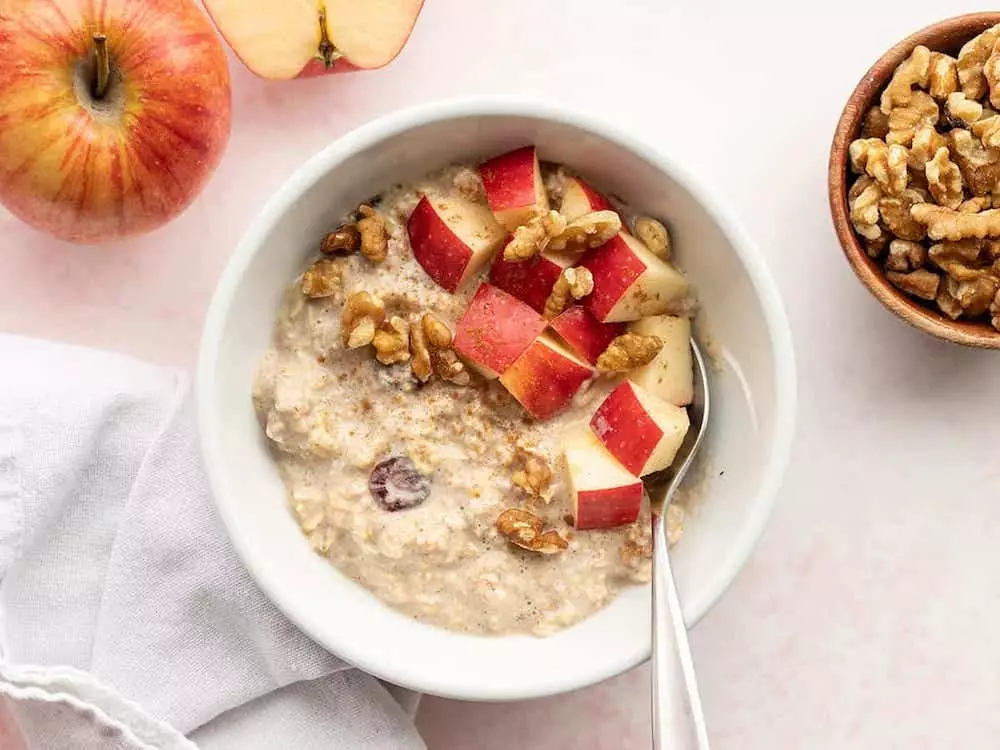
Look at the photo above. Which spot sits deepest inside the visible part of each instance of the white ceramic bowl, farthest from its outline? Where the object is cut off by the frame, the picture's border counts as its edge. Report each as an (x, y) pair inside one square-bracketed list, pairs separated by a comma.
[(753, 399)]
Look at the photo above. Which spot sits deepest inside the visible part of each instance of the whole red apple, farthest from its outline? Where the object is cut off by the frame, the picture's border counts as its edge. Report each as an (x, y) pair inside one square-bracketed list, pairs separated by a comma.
[(113, 114)]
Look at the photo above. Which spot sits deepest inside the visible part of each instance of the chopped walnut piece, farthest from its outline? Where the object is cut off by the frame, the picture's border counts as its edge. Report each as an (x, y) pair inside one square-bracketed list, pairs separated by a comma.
[(895, 213), (922, 111), (905, 256), (322, 279), (947, 224), (947, 303), (944, 179), (448, 367), (420, 360), (374, 234), (960, 111), (875, 124), (942, 75), (344, 239), (588, 231), (392, 341), (975, 295), (437, 333), (362, 313), (886, 164), (921, 283), (913, 71), (531, 238), (654, 236), (975, 205), (864, 211), (991, 72), (926, 142), (971, 59), (950, 256), (534, 475), (628, 351), (980, 166), (573, 283), (524, 530), (876, 248), (988, 131)]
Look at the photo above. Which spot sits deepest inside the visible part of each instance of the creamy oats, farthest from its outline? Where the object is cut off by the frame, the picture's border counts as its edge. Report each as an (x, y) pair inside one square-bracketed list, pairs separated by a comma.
[(333, 413)]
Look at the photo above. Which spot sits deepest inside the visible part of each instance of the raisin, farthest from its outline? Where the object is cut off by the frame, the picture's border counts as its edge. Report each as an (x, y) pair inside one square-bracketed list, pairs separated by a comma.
[(395, 484)]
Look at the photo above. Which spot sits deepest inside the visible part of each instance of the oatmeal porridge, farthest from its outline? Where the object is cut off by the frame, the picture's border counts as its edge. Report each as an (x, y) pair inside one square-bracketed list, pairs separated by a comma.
[(465, 386)]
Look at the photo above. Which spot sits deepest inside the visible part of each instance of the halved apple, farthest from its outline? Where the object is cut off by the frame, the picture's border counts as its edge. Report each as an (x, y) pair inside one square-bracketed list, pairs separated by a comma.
[(530, 280), (579, 198), (584, 334), (640, 430), (670, 376), (495, 330), (283, 39), (545, 377), (603, 492), (514, 188), (630, 282), (452, 238)]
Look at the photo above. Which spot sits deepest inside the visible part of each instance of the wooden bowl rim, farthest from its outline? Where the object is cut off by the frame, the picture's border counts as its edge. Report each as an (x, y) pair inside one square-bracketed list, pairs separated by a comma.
[(941, 35)]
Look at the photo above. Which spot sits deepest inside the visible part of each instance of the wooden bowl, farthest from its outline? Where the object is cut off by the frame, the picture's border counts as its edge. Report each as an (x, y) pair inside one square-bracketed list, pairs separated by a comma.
[(945, 36)]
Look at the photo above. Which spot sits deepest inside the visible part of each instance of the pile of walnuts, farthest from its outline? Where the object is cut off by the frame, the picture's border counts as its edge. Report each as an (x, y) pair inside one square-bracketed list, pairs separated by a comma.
[(926, 201)]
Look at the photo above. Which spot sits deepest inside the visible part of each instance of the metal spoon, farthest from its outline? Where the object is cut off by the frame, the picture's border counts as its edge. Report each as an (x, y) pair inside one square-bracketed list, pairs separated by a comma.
[(678, 722)]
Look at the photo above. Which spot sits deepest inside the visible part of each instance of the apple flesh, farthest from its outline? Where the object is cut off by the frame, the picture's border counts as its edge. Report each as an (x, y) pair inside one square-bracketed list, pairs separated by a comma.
[(640, 430), (579, 198), (630, 282), (604, 494), (584, 334), (531, 280), (113, 115), (283, 39), (452, 238), (514, 188), (670, 376), (495, 330), (545, 377)]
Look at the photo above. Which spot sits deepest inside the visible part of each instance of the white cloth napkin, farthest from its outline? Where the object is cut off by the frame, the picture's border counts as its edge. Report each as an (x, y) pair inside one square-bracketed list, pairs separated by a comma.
[(126, 619)]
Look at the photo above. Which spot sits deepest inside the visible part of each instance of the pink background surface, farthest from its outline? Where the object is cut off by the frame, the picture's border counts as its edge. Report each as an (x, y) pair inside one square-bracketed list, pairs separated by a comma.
[(867, 618)]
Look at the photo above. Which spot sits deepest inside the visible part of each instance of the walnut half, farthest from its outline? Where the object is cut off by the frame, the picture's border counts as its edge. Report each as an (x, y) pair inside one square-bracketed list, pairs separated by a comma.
[(525, 530), (362, 314), (628, 351)]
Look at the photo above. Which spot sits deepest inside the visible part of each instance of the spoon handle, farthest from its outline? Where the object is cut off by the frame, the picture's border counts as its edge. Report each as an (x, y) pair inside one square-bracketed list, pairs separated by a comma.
[(678, 721)]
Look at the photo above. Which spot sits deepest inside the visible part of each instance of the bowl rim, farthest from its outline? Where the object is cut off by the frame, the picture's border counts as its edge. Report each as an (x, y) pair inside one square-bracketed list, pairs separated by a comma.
[(980, 335), (391, 125)]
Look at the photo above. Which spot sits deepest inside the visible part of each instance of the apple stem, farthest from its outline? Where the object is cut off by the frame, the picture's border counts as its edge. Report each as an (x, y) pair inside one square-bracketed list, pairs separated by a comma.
[(103, 65), (327, 51)]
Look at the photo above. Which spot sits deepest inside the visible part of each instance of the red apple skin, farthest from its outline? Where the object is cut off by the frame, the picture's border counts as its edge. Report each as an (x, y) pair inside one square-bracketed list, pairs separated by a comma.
[(627, 431), (91, 179), (435, 247), (495, 330), (531, 281), (604, 509), (585, 335), (513, 186), (614, 268), (544, 381)]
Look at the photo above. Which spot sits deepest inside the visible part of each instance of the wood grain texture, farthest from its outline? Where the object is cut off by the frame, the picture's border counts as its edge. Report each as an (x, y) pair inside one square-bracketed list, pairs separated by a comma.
[(945, 36)]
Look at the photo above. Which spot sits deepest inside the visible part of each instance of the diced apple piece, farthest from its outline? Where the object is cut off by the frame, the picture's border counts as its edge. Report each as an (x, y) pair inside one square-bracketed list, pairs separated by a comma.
[(530, 280), (584, 334), (640, 430), (671, 375), (604, 493), (452, 238), (579, 198), (282, 39), (514, 188), (630, 282), (495, 330), (545, 378)]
